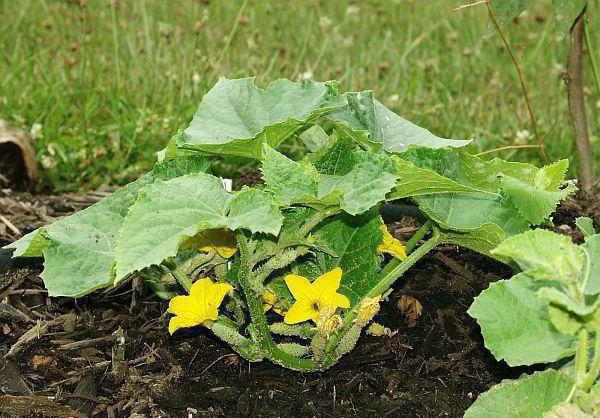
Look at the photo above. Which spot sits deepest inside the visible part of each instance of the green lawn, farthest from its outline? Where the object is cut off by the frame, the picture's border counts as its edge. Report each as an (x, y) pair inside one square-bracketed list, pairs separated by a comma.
[(111, 81)]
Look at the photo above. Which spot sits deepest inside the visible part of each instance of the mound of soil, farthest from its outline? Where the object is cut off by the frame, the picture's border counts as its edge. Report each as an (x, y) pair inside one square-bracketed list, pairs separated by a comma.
[(109, 353)]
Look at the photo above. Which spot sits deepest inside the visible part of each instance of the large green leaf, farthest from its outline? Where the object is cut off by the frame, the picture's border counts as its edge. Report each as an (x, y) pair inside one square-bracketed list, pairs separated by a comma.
[(546, 255), (236, 118), (370, 122), (463, 193), (592, 249), (528, 397), (515, 325), (354, 241), (80, 252), (482, 239), (166, 213)]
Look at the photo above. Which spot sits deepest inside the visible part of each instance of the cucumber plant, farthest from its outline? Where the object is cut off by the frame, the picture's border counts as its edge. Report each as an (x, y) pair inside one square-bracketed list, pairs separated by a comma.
[(547, 313), (294, 269)]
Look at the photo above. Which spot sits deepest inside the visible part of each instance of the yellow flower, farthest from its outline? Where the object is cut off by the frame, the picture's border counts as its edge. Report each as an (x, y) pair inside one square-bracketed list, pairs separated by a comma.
[(200, 306), (368, 310), (269, 298), (315, 299), (391, 245), (220, 240)]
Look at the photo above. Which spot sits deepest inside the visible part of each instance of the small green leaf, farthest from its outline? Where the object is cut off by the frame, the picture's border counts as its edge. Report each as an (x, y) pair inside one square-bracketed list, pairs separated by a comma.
[(30, 245), (288, 180), (537, 198), (255, 210), (515, 324), (164, 214), (507, 10), (558, 297), (546, 255), (354, 240), (368, 183), (314, 138), (528, 397), (236, 118), (586, 226)]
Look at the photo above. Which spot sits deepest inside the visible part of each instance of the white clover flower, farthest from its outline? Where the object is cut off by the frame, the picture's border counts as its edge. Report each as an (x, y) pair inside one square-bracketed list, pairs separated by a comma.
[(306, 75), (36, 131)]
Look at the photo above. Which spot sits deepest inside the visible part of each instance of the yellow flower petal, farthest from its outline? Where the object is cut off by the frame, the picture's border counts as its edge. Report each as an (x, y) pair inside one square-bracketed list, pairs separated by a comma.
[(269, 298), (316, 299), (338, 300), (218, 293), (391, 245), (328, 282), (300, 287), (301, 311), (178, 322), (221, 240), (201, 305)]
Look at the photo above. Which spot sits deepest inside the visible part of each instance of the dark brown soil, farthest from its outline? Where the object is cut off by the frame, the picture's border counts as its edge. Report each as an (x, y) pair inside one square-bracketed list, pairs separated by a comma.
[(434, 369)]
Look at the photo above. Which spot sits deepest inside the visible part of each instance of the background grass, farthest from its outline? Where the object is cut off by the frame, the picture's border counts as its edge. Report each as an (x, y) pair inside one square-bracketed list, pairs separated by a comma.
[(110, 81)]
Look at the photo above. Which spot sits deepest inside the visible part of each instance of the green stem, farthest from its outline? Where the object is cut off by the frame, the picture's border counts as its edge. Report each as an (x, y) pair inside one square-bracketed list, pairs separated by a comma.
[(183, 279), (580, 362), (592, 375), (418, 236), (410, 245), (259, 327), (284, 243), (385, 282), (592, 55)]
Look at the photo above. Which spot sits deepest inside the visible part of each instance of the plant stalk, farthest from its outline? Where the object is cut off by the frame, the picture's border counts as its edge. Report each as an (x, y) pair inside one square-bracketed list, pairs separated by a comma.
[(574, 80), (386, 281), (259, 327), (580, 362), (594, 371)]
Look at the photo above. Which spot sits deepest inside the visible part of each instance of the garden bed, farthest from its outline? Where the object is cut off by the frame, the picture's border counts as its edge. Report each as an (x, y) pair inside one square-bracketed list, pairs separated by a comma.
[(435, 368)]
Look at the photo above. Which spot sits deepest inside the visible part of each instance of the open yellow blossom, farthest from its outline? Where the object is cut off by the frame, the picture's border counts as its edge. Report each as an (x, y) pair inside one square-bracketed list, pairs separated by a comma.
[(391, 245), (200, 306), (220, 240), (315, 299)]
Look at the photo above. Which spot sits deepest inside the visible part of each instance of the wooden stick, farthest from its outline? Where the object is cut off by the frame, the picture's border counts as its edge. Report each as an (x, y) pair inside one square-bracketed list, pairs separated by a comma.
[(574, 80)]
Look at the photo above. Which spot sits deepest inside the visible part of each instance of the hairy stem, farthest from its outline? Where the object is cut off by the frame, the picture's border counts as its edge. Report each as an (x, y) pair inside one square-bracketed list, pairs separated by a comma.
[(259, 327), (386, 280), (580, 362), (592, 375)]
